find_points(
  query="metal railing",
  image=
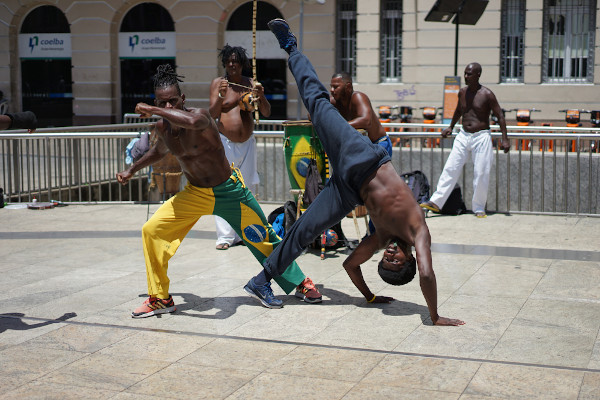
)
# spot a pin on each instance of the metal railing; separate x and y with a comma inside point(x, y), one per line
point(549, 169)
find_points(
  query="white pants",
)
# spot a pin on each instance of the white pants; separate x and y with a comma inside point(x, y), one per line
point(243, 157)
point(479, 146)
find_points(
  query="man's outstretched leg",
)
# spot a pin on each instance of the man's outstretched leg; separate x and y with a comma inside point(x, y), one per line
point(352, 155)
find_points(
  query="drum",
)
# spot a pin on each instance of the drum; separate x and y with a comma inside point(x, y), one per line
point(166, 175)
point(301, 143)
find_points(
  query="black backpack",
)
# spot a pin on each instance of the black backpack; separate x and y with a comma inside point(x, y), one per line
point(313, 185)
point(455, 204)
point(418, 183)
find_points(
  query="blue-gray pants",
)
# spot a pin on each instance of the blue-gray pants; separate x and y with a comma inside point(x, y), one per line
point(353, 159)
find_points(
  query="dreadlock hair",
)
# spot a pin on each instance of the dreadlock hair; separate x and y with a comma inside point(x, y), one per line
point(240, 54)
point(165, 76)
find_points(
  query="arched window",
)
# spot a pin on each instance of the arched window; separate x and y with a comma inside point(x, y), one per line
point(241, 19)
point(148, 17)
point(46, 19)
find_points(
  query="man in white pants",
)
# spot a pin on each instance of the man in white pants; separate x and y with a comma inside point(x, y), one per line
point(474, 105)
point(236, 125)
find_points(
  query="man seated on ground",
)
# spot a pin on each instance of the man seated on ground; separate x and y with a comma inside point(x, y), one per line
point(191, 135)
point(362, 173)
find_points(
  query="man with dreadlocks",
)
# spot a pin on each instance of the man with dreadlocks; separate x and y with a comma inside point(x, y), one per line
point(230, 107)
point(191, 135)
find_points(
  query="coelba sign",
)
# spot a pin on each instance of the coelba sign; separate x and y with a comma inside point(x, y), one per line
point(44, 45)
point(147, 45)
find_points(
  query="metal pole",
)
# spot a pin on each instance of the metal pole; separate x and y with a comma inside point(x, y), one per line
point(300, 47)
point(456, 44)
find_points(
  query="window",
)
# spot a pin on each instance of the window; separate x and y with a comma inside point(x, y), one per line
point(511, 47)
point(391, 41)
point(346, 36)
point(568, 48)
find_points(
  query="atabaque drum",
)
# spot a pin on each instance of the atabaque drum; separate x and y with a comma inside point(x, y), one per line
point(301, 143)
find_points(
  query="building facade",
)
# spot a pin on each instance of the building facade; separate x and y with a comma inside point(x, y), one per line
point(89, 62)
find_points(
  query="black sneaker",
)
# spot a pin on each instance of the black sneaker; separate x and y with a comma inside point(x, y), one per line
point(264, 294)
point(285, 37)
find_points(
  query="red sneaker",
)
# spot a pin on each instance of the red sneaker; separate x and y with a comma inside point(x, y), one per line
point(153, 306)
point(308, 292)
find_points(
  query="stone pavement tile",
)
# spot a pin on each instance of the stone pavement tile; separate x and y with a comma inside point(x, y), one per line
point(100, 371)
point(453, 270)
point(199, 288)
point(82, 338)
point(422, 373)
point(388, 325)
point(157, 346)
point(219, 315)
point(253, 355)
point(551, 332)
point(138, 396)
point(364, 391)
point(327, 363)
point(520, 382)
point(296, 321)
point(38, 293)
point(15, 330)
point(28, 274)
point(486, 320)
point(502, 280)
point(45, 390)
point(58, 253)
point(121, 316)
point(590, 388)
point(88, 301)
point(595, 358)
point(552, 345)
point(185, 381)
point(579, 315)
point(23, 363)
point(274, 386)
point(570, 280)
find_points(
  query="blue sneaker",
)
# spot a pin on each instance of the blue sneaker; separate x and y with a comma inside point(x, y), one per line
point(285, 37)
point(264, 294)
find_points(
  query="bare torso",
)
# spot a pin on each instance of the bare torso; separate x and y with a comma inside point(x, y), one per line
point(392, 207)
point(360, 115)
point(237, 125)
point(476, 107)
point(199, 152)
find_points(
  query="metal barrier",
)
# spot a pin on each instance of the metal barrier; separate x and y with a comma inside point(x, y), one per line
point(79, 164)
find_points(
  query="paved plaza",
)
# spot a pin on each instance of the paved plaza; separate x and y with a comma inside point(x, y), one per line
point(528, 288)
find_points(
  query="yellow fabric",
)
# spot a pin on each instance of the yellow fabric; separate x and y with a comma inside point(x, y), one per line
point(163, 233)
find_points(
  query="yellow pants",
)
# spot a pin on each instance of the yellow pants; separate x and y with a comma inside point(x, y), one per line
point(231, 200)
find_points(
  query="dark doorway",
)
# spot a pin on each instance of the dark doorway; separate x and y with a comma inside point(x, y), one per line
point(136, 73)
point(271, 73)
point(136, 81)
point(46, 82)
